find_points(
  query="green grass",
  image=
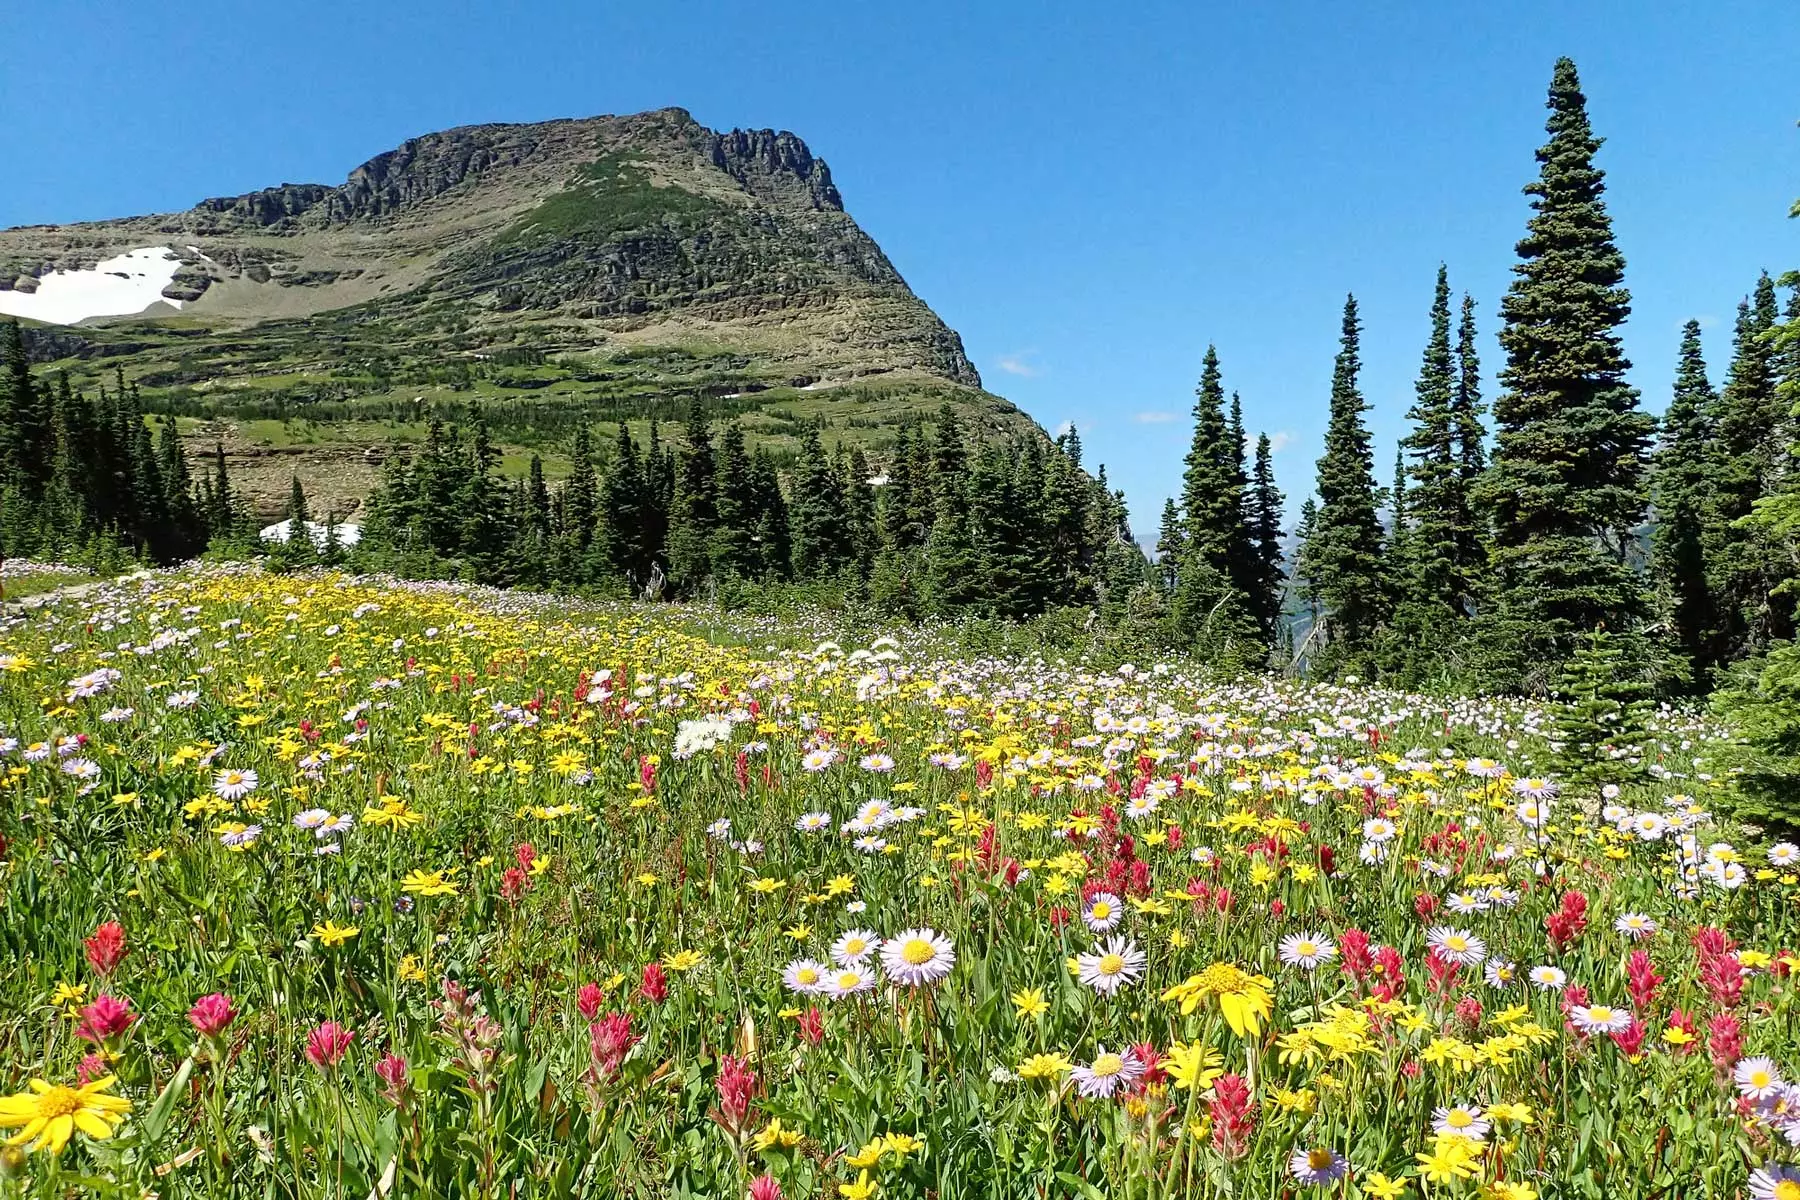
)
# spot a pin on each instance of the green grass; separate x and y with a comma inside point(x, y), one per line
point(37, 585)
point(611, 195)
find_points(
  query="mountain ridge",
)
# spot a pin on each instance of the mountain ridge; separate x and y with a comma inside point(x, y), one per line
point(611, 268)
point(744, 227)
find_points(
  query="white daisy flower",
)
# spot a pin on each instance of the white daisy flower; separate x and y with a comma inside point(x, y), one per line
point(854, 947)
point(1107, 1073)
point(1307, 951)
point(916, 957)
point(1116, 963)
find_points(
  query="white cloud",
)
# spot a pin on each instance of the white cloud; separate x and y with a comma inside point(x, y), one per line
point(1017, 364)
point(1279, 440)
point(1155, 418)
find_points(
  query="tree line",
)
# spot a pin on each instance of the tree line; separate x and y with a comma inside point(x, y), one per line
point(1495, 554)
point(86, 479)
point(940, 528)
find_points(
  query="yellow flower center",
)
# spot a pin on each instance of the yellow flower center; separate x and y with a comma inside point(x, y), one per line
point(1787, 1189)
point(918, 952)
point(1306, 950)
point(1101, 910)
point(1459, 1118)
point(806, 975)
point(1107, 1065)
point(849, 979)
point(59, 1102)
point(1457, 943)
point(1759, 1079)
point(1221, 977)
point(1112, 964)
point(1318, 1160)
point(1600, 1012)
point(854, 946)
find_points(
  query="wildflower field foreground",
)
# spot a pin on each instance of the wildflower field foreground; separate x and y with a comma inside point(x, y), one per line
point(337, 887)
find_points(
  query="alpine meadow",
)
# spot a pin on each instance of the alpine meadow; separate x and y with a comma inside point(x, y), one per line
point(544, 671)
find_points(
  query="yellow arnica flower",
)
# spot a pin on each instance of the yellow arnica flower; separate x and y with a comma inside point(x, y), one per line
point(428, 883)
point(1193, 1066)
point(1246, 1000)
point(332, 934)
point(51, 1113)
point(1044, 1066)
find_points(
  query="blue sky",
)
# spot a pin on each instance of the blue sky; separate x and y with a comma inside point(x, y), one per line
point(1088, 193)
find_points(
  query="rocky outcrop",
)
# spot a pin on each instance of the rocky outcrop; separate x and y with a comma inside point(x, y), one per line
point(771, 166)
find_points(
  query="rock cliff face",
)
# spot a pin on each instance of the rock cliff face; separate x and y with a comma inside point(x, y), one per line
point(626, 224)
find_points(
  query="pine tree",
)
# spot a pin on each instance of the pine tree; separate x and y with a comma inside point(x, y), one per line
point(1566, 483)
point(860, 522)
point(1470, 573)
point(820, 533)
point(299, 547)
point(1211, 607)
point(1170, 544)
point(1266, 503)
point(774, 527)
point(694, 521)
point(1682, 484)
point(25, 434)
point(1437, 507)
point(624, 551)
point(1762, 703)
point(734, 547)
point(1471, 435)
point(898, 511)
point(1600, 726)
point(1746, 424)
point(480, 538)
point(1342, 559)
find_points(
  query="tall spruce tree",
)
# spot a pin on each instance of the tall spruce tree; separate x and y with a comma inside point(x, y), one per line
point(1170, 544)
point(1566, 484)
point(1438, 504)
point(1211, 610)
point(694, 521)
point(1682, 487)
point(1265, 533)
point(734, 547)
point(1342, 560)
point(1747, 426)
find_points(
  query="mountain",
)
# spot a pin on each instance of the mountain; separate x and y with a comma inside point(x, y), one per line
point(612, 267)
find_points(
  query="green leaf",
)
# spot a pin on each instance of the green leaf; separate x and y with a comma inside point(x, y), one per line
point(158, 1116)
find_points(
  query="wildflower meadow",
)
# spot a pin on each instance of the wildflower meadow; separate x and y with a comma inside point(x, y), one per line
point(330, 886)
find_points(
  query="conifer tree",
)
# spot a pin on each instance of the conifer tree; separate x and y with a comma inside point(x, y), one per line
point(1746, 424)
point(1170, 544)
point(774, 528)
point(1342, 558)
point(820, 532)
point(624, 551)
point(1470, 573)
point(1682, 484)
point(25, 434)
point(694, 521)
point(897, 505)
point(299, 547)
point(1600, 726)
point(1438, 506)
point(1265, 530)
point(1211, 608)
point(1566, 484)
point(734, 548)
point(861, 524)
point(480, 538)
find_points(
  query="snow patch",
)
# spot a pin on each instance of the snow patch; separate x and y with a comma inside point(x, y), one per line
point(116, 287)
point(348, 534)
